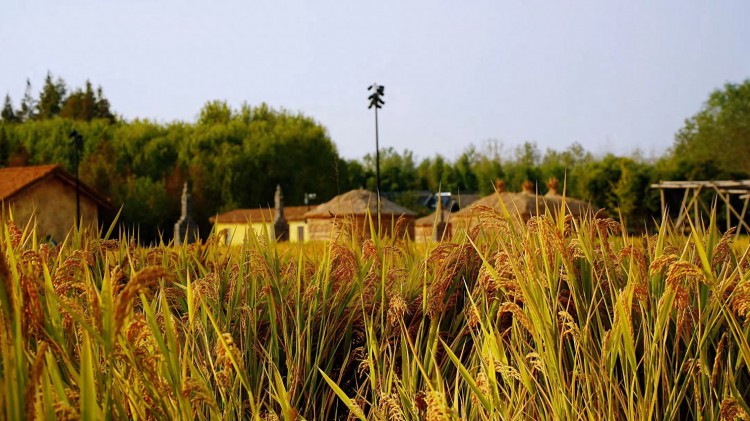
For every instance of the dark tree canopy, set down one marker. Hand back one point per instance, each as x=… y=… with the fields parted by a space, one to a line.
x=86 y=105
x=8 y=114
x=51 y=98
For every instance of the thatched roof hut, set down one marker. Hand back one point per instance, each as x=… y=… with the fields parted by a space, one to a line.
x=521 y=206
x=554 y=200
x=357 y=207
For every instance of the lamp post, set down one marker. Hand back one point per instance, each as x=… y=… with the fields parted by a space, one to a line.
x=77 y=141
x=376 y=100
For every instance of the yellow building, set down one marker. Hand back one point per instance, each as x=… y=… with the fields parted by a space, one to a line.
x=45 y=195
x=239 y=222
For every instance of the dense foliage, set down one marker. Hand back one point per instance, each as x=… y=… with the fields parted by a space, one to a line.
x=552 y=319
x=235 y=158
x=716 y=141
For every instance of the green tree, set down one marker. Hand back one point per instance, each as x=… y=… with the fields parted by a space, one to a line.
x=51 y=98
x=423 y=175
x=8 y=114
x=441 y=174
x=524 y=167
x=466 y=178
x=218 y=112
x=86 y=105
x=488 y=167
x=144 y=205
x=621 y=185
x=398 y=172
x=102 y=107
x=354 y=175
x=28 y=104
x=717 y=137
x=568 y=166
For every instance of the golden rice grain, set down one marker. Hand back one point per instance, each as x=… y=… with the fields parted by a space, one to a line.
x=437 y=408
x=33 y=384
x=518 y=315
x=731 y=410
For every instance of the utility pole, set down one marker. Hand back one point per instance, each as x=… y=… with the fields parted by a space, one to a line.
x=77 y=140
x=376 y=100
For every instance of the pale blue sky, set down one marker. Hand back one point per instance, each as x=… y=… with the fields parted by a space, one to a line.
x=611 y=75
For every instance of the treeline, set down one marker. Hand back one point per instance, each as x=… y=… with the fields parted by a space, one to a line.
x=235 y=158
x=55 y=100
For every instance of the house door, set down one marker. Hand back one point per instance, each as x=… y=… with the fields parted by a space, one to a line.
x=301 y=234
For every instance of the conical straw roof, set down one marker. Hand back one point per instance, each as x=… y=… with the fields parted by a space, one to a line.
x=357 y=202
x=526 y=204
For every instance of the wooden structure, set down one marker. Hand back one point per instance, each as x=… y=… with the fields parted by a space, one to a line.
x=723 y=190
x=45 y=195
x=358 y=208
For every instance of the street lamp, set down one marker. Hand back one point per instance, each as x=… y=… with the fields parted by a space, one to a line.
x=376 y=100
x=77 y=141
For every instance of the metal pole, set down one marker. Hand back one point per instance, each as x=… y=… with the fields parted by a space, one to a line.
x=78 y=190
x=77 y=142
x=377 y=164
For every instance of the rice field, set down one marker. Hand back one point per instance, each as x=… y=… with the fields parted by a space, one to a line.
x=554 y=319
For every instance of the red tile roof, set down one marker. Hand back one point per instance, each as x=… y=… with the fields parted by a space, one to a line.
x=14 y=180
x=241 y=216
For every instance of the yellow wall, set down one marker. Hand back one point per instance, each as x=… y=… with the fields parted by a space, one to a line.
x=236 y=232
x=294 y=227
x=52 y=203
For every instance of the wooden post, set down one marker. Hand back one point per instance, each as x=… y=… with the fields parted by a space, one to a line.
x=683 y=208
x=742 y=216
x=663 y=205
x=729 y=215
x=695 y=206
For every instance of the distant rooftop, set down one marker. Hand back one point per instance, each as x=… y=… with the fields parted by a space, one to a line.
x=14 y=180
x=243 y=216
x=357 y=202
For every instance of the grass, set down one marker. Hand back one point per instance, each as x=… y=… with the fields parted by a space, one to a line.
x=553 y=319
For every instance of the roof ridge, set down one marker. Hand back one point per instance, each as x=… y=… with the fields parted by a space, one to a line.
x=14 y=180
